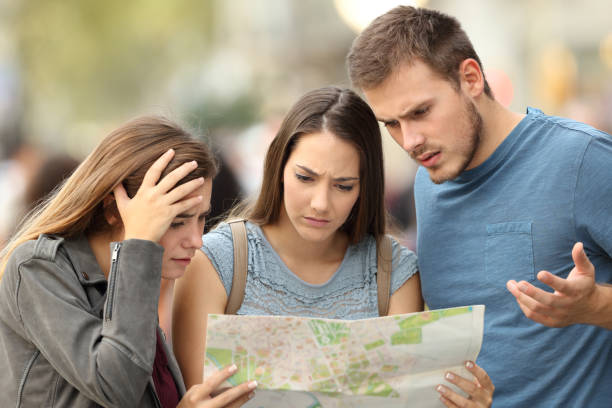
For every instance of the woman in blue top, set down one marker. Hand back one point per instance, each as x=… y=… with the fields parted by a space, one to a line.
x=312 y=234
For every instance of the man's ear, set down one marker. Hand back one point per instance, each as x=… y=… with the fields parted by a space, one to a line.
x=471 y=77
x=111 y=213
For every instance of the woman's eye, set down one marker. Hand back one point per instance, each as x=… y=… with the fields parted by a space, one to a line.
x=345 y=187
x=176 y=224
x=391 y=124
x=302 y=177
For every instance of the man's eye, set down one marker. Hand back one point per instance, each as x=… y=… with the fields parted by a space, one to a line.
x=421 y=112
x=176 y=224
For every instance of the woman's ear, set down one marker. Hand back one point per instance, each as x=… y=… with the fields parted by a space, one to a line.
x=111 y=213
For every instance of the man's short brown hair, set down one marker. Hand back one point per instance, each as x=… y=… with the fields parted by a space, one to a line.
x=405 y=34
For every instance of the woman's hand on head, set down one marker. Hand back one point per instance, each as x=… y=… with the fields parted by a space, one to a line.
x=200 y=395
x=149 y=213
x=479 y=389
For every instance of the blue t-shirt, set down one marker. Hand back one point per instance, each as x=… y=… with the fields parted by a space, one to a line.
x=273 y=289
x=547 y=186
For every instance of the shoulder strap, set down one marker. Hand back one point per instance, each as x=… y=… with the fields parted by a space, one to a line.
x=383 y=275
x=46 y=246
x=239 y=239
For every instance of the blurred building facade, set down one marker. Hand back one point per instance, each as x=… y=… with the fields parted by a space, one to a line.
x=70 y=70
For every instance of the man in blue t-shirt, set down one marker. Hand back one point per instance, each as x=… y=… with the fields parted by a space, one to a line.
x=513 y=210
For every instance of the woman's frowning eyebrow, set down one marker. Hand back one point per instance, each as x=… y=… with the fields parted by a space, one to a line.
x=314 y=173
x=186 y=215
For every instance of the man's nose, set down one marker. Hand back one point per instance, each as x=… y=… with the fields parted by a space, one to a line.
x=411 y=138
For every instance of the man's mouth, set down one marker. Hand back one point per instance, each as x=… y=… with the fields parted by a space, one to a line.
x=428 y=159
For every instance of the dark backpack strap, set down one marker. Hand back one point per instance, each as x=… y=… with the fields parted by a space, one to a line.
x=239 y=239
x=383 y=275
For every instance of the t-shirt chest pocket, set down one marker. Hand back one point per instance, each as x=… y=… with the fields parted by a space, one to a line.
x=509 y=252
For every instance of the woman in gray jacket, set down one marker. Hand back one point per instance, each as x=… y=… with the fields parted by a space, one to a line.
x=80 y=286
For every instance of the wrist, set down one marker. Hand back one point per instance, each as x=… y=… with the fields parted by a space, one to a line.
x=600 y=312
x=140 y=235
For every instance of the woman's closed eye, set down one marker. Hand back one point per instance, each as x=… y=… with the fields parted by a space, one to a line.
x=345 y=187
x=303 y=177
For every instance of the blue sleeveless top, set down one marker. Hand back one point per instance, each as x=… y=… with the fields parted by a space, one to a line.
x=273 y=289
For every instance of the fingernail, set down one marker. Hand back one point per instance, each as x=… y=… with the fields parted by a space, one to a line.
x=449 y=376
x=440 y=389
x=523 y=287
x=252 y=385
x=194 y=163
x=469 y=364
x=233 y=368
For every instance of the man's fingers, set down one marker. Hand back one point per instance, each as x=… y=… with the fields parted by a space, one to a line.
x=154 y=172
x=581 y=260
x=557 y=283
x=538 y=317
x=537 y=298
x=527 y=304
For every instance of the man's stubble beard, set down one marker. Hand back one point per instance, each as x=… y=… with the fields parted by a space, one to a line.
x=473 y=142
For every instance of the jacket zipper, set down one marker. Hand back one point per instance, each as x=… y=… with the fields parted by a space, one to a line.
x=111 y=283
x=155 y=396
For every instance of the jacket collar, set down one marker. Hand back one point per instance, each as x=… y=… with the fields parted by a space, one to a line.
x=83 y=259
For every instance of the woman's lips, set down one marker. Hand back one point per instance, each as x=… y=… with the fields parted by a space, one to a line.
x=182 y=261
x=316 y=222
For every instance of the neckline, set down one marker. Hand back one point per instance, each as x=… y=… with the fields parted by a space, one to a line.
x=292 y=274
x=500 y=152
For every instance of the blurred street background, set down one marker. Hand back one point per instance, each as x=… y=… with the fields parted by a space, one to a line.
x=72 y=70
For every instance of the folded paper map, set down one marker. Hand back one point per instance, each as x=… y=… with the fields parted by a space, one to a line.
x=393 y=361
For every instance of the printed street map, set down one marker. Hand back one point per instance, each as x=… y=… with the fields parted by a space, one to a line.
x=393 y=361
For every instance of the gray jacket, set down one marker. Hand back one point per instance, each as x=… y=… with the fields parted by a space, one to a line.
x=69 y=338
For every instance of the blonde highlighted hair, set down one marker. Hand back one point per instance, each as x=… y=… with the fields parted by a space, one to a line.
x=123 y=156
